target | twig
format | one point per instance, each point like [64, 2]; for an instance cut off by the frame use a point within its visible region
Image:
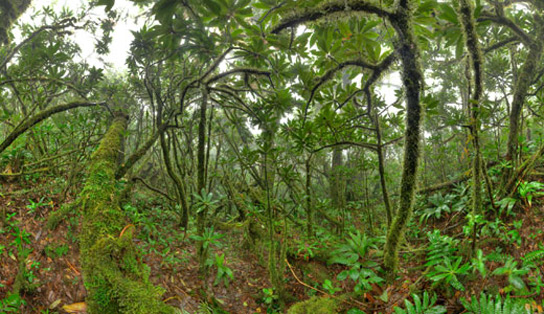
[350, 301]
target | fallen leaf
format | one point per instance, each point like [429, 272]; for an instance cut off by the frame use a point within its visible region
[55, 304]
[80, 307]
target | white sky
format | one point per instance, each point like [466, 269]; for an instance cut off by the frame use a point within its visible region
[122, 37]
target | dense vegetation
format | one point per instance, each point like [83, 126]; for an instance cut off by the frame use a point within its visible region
[313, 156]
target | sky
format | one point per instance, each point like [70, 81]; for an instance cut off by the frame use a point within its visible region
[122, 36]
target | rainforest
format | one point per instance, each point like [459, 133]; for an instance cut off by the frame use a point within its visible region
[272, 156]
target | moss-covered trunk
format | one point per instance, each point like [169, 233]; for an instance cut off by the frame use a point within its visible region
[10, 11]
[412, 79]
[178, 183]
[308, 191]
[115, 279]
[523, 82]
[471, 40]
[336, 183]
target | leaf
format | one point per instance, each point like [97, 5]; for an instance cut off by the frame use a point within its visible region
[55, 304]
[354, 274]
[212, 6]
[459, 48]
[342, 275]
[448, 14]
[516, 281]
[355, 311]
[80, 307]
[108, 3]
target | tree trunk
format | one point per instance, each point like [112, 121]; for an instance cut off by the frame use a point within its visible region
[412, 79]
[201, 175]
[116, 280]
[309, 207]
[523, 82]
[381, 169]
[10, 11]
[465, 14]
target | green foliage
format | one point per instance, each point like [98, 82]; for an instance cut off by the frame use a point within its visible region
[208, 238]
[270, 299]
[11, 303]
[514, 274]
[506, 206]
[307, 248]
[33, 206]
[528, 190]
[205, 202]
[224, 273]
[440, 205]
[533, 259]
[478, 263]
[56, 250]
[353, 254]
[421, 306]
[440, 247]
[449, 271]
[330, 288]
[490, 305]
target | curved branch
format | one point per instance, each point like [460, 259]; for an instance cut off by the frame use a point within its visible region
[60, 25]
[154, 189]
[39, 117]
[140, 152]
[348, 143]
[501, 20]
[327, 8]
[237, 71]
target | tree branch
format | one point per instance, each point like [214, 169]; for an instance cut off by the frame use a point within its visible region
[327, 8]
[39, 117]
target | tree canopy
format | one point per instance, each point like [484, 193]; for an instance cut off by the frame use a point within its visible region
[313, 156]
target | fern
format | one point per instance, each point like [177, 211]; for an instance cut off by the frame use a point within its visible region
[425, 306]
[490, 305]
[498, 257]
[535, 256]
[440, 248]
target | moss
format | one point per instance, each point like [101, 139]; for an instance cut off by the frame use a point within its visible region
[10, 11]
[522, 85]
[56, 217]
[115, 279]
[315, 272]
[315, 305]
[412, 78]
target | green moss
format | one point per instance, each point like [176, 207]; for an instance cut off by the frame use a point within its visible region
[315, 305]
[413, 82]
[10, 11]
[115, 279]
[56, 217]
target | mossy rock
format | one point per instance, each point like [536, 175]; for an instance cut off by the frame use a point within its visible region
[315, 305]
[315, 272]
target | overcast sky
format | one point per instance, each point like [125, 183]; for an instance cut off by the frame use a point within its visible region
[122, 37]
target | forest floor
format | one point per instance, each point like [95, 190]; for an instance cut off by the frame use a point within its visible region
[53, 262]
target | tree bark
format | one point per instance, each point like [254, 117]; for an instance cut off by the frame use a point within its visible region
[412, 79]
[10, 11]
[523, 83]
[468, 24]
[115, 278]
